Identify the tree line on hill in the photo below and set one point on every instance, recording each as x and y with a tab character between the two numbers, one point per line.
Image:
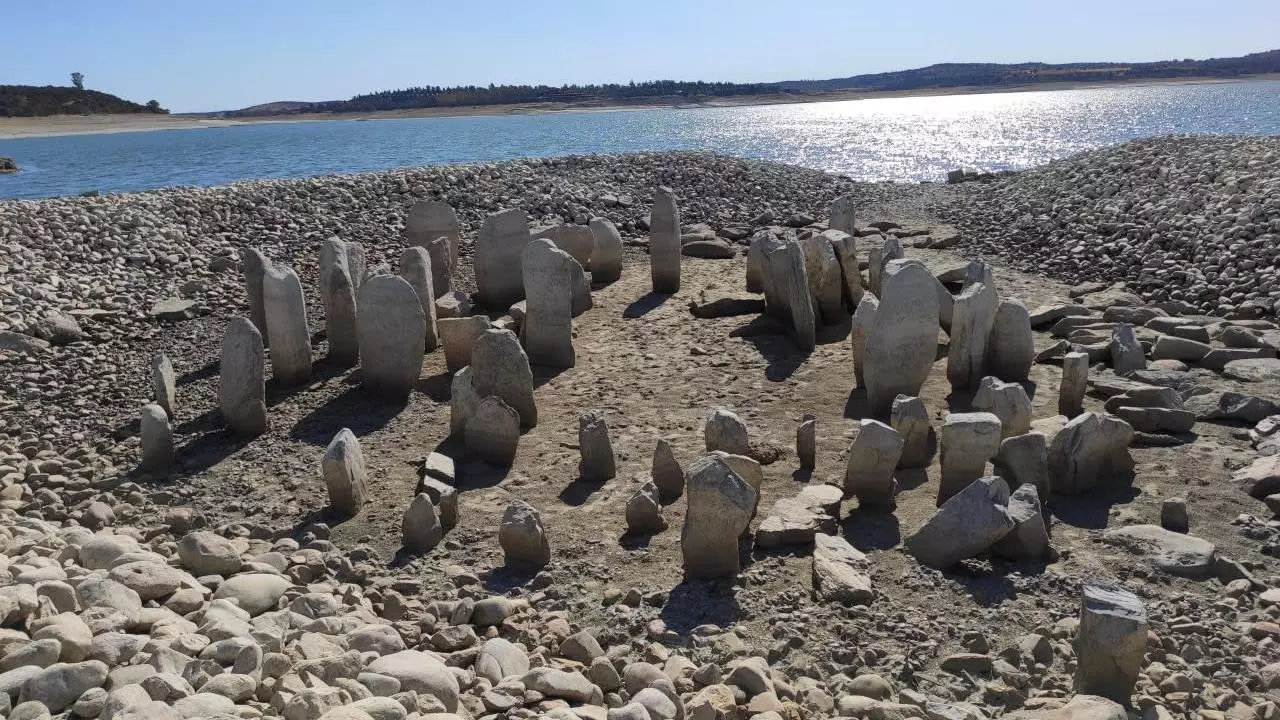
36	101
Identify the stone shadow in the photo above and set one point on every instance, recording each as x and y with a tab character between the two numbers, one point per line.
356	408
1091	509
857	407
208	449
987	587
579	491
437	387
642	306
205	371
629	540
500	580
697	602
778	350
960	400
836	332
910	478
543	374
871	528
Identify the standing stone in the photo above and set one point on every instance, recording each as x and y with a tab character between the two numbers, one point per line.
156	438
254	266
498	258
845	247
606	257
290	339
429	220
356	263
393	333
1110	642
725	431
163	383
667	473
458	335
972	319
969	522
1173	515
968	441
1075	381
338	294
904	337
1024	460
860	329
875	269
1087	449
843	215
576	240
344	473
1011	347
1126	352
415	268
1029	538
242	378
1007	401
664	243
547	329
721	504
463	400
421	529
807	442
874	454
822	271
522	537
493	432
441	267
500	368
910	419
762	243
644	510
790	283
597	463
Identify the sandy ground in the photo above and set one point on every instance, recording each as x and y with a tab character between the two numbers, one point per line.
15	128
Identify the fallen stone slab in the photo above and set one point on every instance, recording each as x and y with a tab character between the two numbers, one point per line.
1046	315
173	310
1168	347
796	520
1174	553
1219	358
968	523
1257	370
1260	479
1157	420
713	249
840	571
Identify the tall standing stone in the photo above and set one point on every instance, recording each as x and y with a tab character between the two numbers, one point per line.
493	432
338	294
724	430
845	247
441	267
290	339
721	504
498	258
860	330
761	244
972	318
416	269
522	537
1127	354
547	330
664	243
822	270
458	335
463	400
910	419
1075	382
843	215
1011	347
344	473
873	456
499	367
968	441
241	379
807	442
790	284
597	463
606	258
879	257
667	473
393	332
429	220
156	438
1110	642
163	383
904	337
253	264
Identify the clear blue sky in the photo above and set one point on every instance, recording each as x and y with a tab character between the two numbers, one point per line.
197	55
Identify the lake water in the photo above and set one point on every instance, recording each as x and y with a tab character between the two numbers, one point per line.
899	139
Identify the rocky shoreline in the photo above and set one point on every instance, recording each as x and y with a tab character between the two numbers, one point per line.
223	588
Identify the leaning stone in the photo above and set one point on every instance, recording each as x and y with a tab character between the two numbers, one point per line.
972	319
289	337
522	537
156	439
790	283
1024	460
967	441
1011	347
493	432
547	330
597	463
421	529
725	431
163	383
911	420
1126	352
1088	448
966	524
807	442
840	572
721	504
664	243
254	266
498	258
429	220
860	330
458	335
416	269
393	333
445	499
1110	642
903	341
644	511
338	295
499	367
762	243
667	473
873	456
1007	401
1029	537
343	471
606	256
1173	552
463	400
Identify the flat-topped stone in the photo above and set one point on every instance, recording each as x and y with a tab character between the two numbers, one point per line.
393	332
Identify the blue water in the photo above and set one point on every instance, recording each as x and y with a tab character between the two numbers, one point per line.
900	139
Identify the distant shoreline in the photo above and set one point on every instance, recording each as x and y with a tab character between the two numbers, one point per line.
61	125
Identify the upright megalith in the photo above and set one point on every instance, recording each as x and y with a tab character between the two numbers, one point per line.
1007	401
458	335
155	436
972	318
1110	642
393	332
721	504
807	442
860	329
441	268
343	470
724	430
253	265
547	330
761	244
664	243
463	401
910	419
1075	382
523	538
791	299
596	448
241	379
667	473
1089	449
289	337
880	257
493	432
576	240
1011	346
873	456
430	220
498	257
416	269
845	247
1127	354
843	215
968	441
338	294
903	339
421	528
606	257
164	383
499	367
826	285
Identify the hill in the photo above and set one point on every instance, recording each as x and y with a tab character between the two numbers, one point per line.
36	101
942	76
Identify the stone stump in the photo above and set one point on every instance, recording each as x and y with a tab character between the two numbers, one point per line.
338	294
241	379
789	283
1024	460
1110	642
721	504
724	430
972	319
393	332
903	340
842	215
967	442
1007	401
910	419
667	473
606	257
644	511
253	264
664	243
416	269
290	339
597	462
421	529
1088	449
547	330
441	269
493	432
1011	347
344	473
873	456
761	244
498	258
430	220
1075	382
458	335
499	367
807	442
1127	354
860	330
523	538
155	436
164	384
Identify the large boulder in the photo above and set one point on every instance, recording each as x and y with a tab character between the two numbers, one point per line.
840	572
422	673
1088	449
522	537
968	523
1173	552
